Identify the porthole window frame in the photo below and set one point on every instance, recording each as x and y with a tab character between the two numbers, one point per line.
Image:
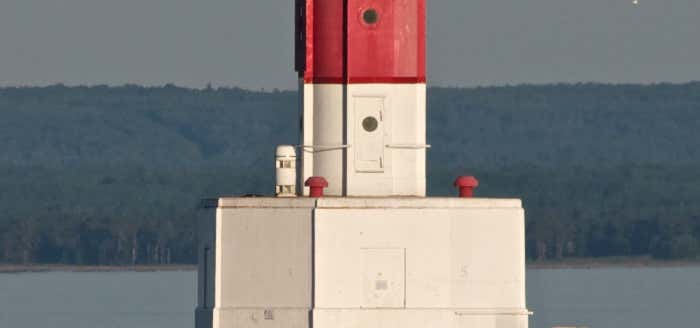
370	124
363	18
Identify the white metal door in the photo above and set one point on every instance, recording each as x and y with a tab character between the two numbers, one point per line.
369	134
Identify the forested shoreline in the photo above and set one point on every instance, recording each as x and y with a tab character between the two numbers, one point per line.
114	175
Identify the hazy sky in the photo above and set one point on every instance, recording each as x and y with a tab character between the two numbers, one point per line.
248	43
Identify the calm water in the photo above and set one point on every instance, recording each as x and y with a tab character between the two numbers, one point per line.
616	298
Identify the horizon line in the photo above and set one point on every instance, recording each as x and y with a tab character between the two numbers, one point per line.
272	90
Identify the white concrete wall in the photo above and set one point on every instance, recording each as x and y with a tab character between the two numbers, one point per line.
370	262
263	263
454	257
435	263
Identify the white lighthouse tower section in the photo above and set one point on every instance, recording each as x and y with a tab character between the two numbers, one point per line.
388	159
374	146
323	142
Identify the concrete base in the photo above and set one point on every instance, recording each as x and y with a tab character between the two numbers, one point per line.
363	262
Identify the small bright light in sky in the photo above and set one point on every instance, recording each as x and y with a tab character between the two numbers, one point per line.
636	2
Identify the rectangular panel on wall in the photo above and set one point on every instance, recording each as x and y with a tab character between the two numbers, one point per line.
383	278
369	133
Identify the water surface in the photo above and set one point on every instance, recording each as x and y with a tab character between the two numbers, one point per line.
616	298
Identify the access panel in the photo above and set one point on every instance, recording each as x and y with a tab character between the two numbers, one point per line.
383	278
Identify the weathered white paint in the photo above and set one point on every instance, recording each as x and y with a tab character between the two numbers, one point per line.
328	140
387	161
368	262
307	135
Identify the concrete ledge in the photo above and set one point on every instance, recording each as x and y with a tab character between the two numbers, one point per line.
457	312
368	202
417	202
418	318
266	202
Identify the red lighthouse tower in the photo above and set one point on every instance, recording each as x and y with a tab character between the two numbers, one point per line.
361	65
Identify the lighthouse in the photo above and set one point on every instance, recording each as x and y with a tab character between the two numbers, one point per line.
349	238
361	65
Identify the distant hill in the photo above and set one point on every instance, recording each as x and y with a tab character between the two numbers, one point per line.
112	175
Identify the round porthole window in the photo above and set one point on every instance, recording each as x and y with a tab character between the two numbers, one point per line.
370	124
370	16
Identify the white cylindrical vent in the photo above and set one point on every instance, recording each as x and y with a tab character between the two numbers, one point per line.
286	167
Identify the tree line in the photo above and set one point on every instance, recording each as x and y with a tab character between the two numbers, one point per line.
114	175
